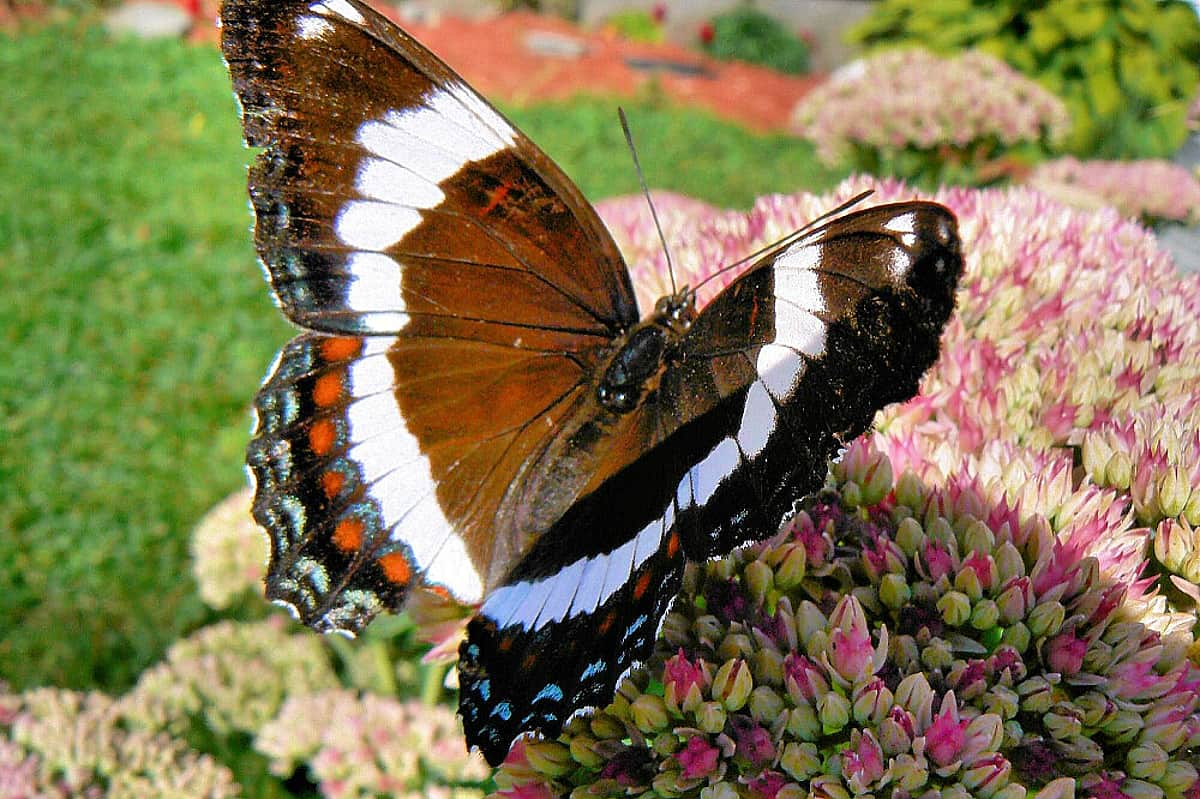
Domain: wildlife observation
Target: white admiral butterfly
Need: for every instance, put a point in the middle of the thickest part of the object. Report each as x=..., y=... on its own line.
x=477, y=408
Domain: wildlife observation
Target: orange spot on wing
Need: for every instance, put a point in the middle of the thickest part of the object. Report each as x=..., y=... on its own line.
x=332, y=483
x=348, y=535
x=673, y=545
x=505, y=643
x=328, y=389
x=495, y=198
x=321, y=436
x=340, y=348
x=753, y=312
x=529, y=662
x=607, y=623
x=643, y=583
x=396, y=568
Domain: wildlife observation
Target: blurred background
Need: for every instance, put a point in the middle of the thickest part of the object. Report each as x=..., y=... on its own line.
x=137, y=325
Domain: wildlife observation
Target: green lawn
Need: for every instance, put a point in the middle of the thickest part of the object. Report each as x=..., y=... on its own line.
x=136, y=324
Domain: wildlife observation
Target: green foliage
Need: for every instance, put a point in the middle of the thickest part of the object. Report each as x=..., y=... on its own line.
x=1126, y=69
x=747, y=34
x=134, y=326
x=637, y=26
x=568, y=9
x=137, y=324
x=681, y=149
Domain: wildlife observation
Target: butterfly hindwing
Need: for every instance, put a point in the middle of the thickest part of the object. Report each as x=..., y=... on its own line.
x=790, y=362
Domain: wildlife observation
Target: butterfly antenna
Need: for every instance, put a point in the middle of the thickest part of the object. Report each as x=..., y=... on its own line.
x=791, y=237
x=646, y=191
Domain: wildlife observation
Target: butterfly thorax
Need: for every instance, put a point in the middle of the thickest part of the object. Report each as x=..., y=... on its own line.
x=644, y=352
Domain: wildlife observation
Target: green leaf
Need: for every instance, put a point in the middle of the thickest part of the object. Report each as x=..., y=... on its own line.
x=1105, y=92
x=1138, y=70
x=1045, y=34
x=1084, y=22
x=1083, y=126
x=1138, y=15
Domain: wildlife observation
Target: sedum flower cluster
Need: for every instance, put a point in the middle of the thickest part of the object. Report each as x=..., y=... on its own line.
x=968, y=106
x=263, y=684
x=235, y=676
x=364, y=746
x=229, y=552
x=901, y=640
x=988, y=599
x=56, y=744
x=1150, y=190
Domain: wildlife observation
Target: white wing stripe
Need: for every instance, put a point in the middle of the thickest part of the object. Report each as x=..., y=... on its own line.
x=779, y=368
x=758, y=420
x=717, y=465
x=620, y=567
x=799, y=329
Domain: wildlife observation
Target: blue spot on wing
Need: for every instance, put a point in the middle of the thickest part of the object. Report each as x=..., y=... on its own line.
x=551, y=692
x=636, y=625
x=594, y=668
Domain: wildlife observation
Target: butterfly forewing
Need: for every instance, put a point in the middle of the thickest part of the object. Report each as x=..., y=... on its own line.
x=389, y=188
x=391, y=200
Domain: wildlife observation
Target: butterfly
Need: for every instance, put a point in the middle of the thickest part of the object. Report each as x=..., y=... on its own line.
x=476, y=407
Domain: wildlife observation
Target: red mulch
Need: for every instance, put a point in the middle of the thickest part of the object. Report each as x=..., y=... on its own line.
x=492, y=56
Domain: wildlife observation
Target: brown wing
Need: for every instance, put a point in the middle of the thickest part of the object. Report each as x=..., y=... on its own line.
x=461, y=291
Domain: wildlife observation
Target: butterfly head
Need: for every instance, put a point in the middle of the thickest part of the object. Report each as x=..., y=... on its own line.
x=676, y=311
x=935, y=258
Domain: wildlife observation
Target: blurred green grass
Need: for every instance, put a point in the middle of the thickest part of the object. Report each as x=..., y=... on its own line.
x=136, y=325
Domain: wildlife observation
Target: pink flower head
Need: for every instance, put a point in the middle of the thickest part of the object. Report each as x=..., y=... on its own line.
x=768, y=784
x=881, y=556
x=1007, y=659
x=850, y=653
x=1136, y=679
x=905, y=719
x=698, y=758
x=945, y=737
x=972, y=678
x=817, y=546
x=938, y=562
x=1065, y=652
x=862, y=763
x=1147, y=189
x=681, y=674
x=803, y=676
x=1106, y=785
x=990, y=771
x=754, y=743
x=983, y=567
